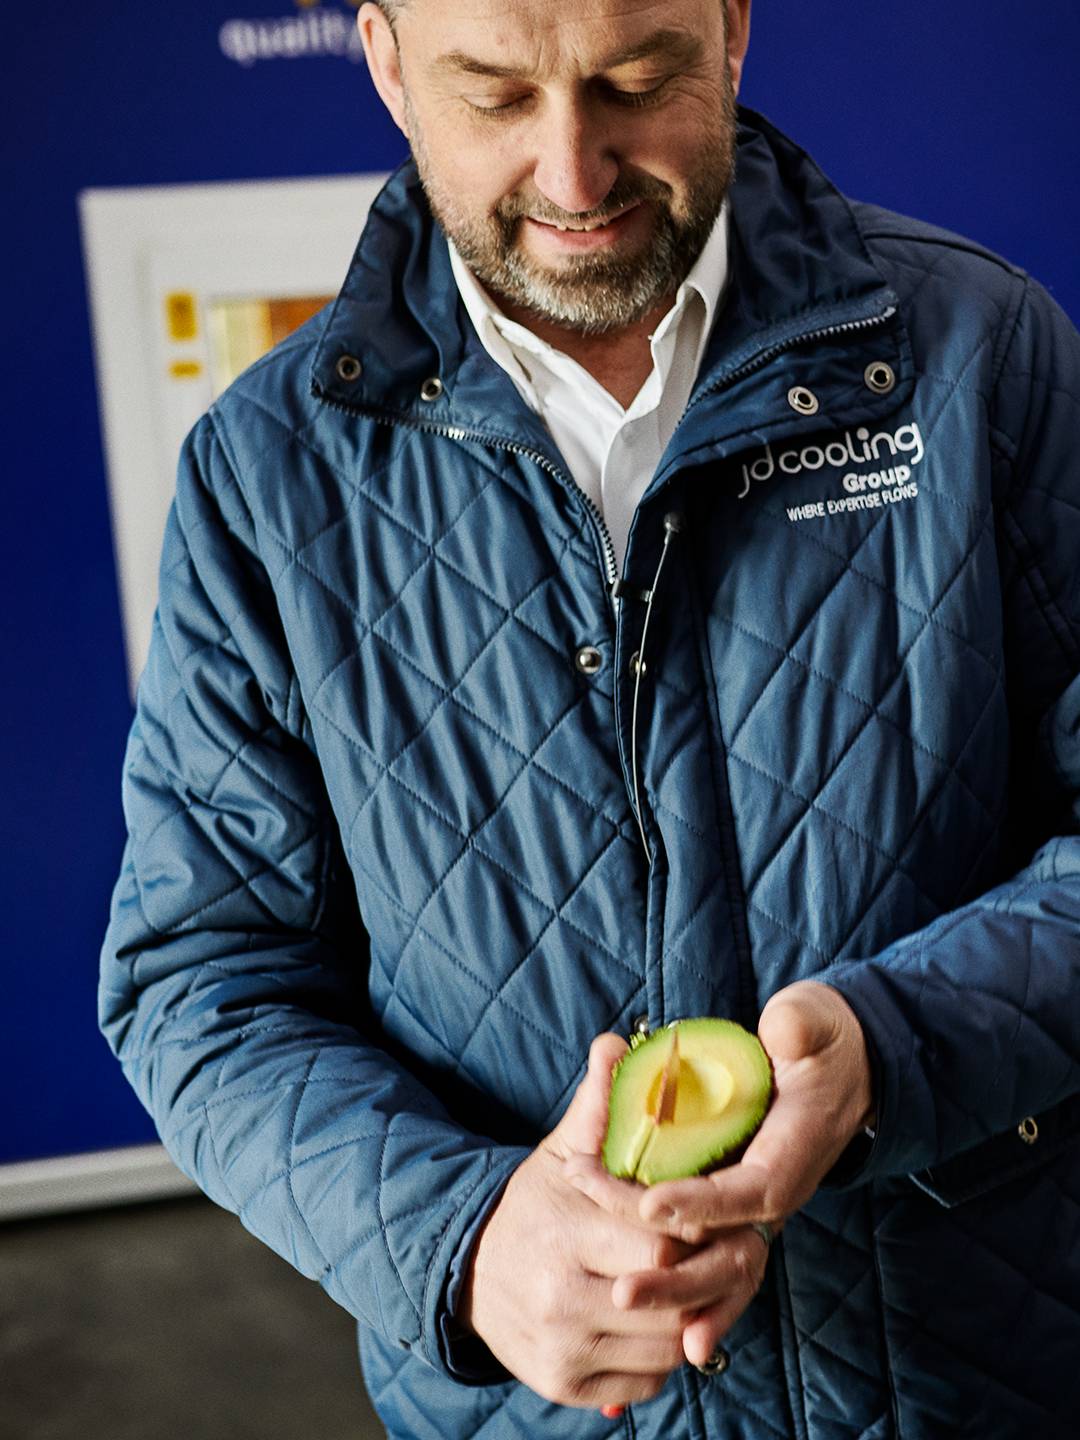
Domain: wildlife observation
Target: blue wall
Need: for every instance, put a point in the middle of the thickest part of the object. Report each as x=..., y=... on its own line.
x=967, y=114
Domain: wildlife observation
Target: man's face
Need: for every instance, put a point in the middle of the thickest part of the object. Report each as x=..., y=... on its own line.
x=576, y=155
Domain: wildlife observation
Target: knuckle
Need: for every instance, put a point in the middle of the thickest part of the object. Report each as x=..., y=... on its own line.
x=691, y=1232
x=550, y=1301
x=744, y=1264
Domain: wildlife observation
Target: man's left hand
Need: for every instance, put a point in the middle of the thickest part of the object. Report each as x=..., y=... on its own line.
x=823, y=1099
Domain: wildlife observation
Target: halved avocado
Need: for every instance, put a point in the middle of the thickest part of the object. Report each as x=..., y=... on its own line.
x=685, y=1100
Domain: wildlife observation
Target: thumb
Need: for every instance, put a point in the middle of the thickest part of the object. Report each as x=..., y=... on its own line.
x=802, y=1020
x=581, y=1129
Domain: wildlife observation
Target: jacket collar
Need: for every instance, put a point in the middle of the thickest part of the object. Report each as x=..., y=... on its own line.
x=800, y=267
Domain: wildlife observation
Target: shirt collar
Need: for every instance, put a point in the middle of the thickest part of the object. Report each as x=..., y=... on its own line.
x=498, y=333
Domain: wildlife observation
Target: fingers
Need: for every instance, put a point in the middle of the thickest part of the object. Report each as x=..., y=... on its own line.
x=691, y=1210
x=620, y=1198
x=705, y=1333
x=726, y=1273
x=596, y=1298
x=657, y=1353
x=607, y=1247
x=585, y=1351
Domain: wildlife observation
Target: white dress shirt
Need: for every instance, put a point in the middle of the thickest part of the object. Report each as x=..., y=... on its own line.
x=612, y=452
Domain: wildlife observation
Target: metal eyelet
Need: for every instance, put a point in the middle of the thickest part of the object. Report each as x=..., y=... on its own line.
x=1028, y=1130
x=880, y=377
x=588, y=659
x=349, y=368
x=431, y=389
x=716, y=1364
x=803, y=400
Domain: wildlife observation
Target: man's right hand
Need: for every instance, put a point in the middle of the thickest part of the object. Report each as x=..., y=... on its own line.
x=539, y=1286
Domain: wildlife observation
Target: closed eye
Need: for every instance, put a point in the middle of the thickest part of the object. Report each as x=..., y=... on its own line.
x=505, y=107
x=648, y=96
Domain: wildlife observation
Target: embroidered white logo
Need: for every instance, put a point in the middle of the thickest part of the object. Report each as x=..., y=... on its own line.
x=864, y=489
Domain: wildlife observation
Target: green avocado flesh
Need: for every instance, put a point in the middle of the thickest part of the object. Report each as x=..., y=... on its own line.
x=684, y=1100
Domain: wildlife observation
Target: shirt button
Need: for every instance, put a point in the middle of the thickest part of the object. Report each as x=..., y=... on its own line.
x=588, y=659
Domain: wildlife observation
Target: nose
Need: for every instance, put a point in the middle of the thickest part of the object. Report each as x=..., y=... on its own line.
x=575, y=166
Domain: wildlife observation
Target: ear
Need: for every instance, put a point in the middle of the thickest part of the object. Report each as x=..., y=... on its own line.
x=383, y=60
x=738, y=38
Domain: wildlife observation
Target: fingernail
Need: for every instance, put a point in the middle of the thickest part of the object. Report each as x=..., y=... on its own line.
x=611, y=1412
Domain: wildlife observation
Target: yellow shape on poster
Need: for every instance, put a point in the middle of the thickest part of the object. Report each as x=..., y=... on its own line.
x=182, y=315
x=185, y=369
x=241, y=331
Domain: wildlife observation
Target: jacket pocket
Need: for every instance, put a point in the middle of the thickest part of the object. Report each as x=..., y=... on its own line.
x=1009, y=1156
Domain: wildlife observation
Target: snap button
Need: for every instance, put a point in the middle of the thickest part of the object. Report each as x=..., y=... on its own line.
x=588, y=660
x=636, y=665
x=803, y=400
x=349, y=368
x=1028, y=1130
x=431, y=389
x=640, y=1025
x=717, y=1362
x=879, y=377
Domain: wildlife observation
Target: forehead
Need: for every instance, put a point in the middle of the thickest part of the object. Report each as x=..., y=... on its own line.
x=549, y=35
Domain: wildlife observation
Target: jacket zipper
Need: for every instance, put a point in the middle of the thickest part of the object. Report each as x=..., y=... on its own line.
x=512, y=447
x=825, y=332
x=611, y=569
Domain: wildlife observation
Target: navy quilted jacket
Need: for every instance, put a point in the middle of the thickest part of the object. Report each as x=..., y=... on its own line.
x=384, y=881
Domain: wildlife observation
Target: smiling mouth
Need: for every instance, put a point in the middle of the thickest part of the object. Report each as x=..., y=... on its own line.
x=587, y=228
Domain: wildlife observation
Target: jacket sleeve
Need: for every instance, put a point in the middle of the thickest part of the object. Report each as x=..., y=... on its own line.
x=234, y=971
x=974, y=1022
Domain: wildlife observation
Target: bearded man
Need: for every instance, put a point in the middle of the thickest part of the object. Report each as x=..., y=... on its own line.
x=652, y=590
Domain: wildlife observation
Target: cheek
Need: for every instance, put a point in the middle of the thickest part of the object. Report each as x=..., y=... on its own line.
x=474, y=171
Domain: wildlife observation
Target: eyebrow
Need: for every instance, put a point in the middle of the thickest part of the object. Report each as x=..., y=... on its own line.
x=677, y=45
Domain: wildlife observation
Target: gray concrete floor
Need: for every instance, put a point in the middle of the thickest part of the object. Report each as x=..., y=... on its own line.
x=168, y=1322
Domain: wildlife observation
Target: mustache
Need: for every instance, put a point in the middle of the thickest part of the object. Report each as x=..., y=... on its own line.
x=627, y=190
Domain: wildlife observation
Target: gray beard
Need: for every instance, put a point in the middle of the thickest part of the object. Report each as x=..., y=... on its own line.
x=591, y=295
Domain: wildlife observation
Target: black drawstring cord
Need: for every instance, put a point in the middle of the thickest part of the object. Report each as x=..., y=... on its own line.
x=673, y=524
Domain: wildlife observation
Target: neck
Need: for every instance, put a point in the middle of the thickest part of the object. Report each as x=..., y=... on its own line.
x=619, y=360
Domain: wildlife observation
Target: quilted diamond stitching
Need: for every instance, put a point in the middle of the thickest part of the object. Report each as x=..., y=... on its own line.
x=554, y=916
x=803, y=534
x=472, y=844
x=380, y=1186
x=245, y=883
x=973, y=869
x=1044, y=603
x=548, y=1037
x=813, y=803
x=731, y=1398
x=900, y=664
x=362, y=489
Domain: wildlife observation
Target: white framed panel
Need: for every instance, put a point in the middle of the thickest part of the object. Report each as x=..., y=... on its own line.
x=164, y=264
